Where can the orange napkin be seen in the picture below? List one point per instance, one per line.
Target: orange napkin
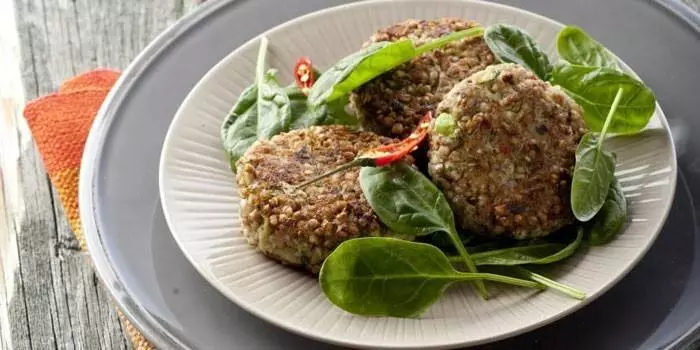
(60, 123)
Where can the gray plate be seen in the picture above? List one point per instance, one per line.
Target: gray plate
(653, 307)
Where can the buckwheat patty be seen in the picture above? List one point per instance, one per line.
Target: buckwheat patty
(506, 170)
(392, 103)
(301, 227)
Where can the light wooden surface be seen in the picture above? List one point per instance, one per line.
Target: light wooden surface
(50, 297)
(694, 4)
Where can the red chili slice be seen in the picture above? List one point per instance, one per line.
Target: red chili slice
(304, 74)
(386, 154)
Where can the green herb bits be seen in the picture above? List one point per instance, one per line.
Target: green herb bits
(445, 124)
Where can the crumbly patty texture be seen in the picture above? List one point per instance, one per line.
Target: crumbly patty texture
(301, 227)
(506, 170)
(393, 103)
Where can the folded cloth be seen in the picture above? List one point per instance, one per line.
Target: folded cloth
(60, 123)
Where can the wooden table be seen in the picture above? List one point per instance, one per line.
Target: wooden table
(50, 297)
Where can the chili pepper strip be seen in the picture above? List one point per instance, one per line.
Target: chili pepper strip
(383, 155)
(389, 154)
(304, 74)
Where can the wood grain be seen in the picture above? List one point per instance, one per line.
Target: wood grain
(55, 299)
(693, 4)
(50, 297)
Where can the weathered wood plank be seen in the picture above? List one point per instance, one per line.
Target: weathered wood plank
(57, 301)
(35, 267)
(694, 4)
(16, 296)
(50, 296)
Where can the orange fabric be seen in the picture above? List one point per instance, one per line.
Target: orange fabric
(97, 79)
(60, 123)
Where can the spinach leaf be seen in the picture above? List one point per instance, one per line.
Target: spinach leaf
(332, 113)
(611, 217)
(527, 254)
(476, 246)
(549, 283)
(536, 254)
(410, 204)
(594, 170)
(360, 67)
(595, 88)
(444, 243)
(576, 47)
(306, 115)
(337, 113)
(513, 45)
(405, 200)
(593, 173)
(380, 276)
(297, 104)
(274, 110)
(568, 251)
(265, 109)
(238, 131)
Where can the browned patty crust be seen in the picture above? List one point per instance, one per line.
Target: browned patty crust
(392, 103)
(301, 227)
(507, 169)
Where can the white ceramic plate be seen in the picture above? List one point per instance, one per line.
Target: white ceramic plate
(201, 202)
